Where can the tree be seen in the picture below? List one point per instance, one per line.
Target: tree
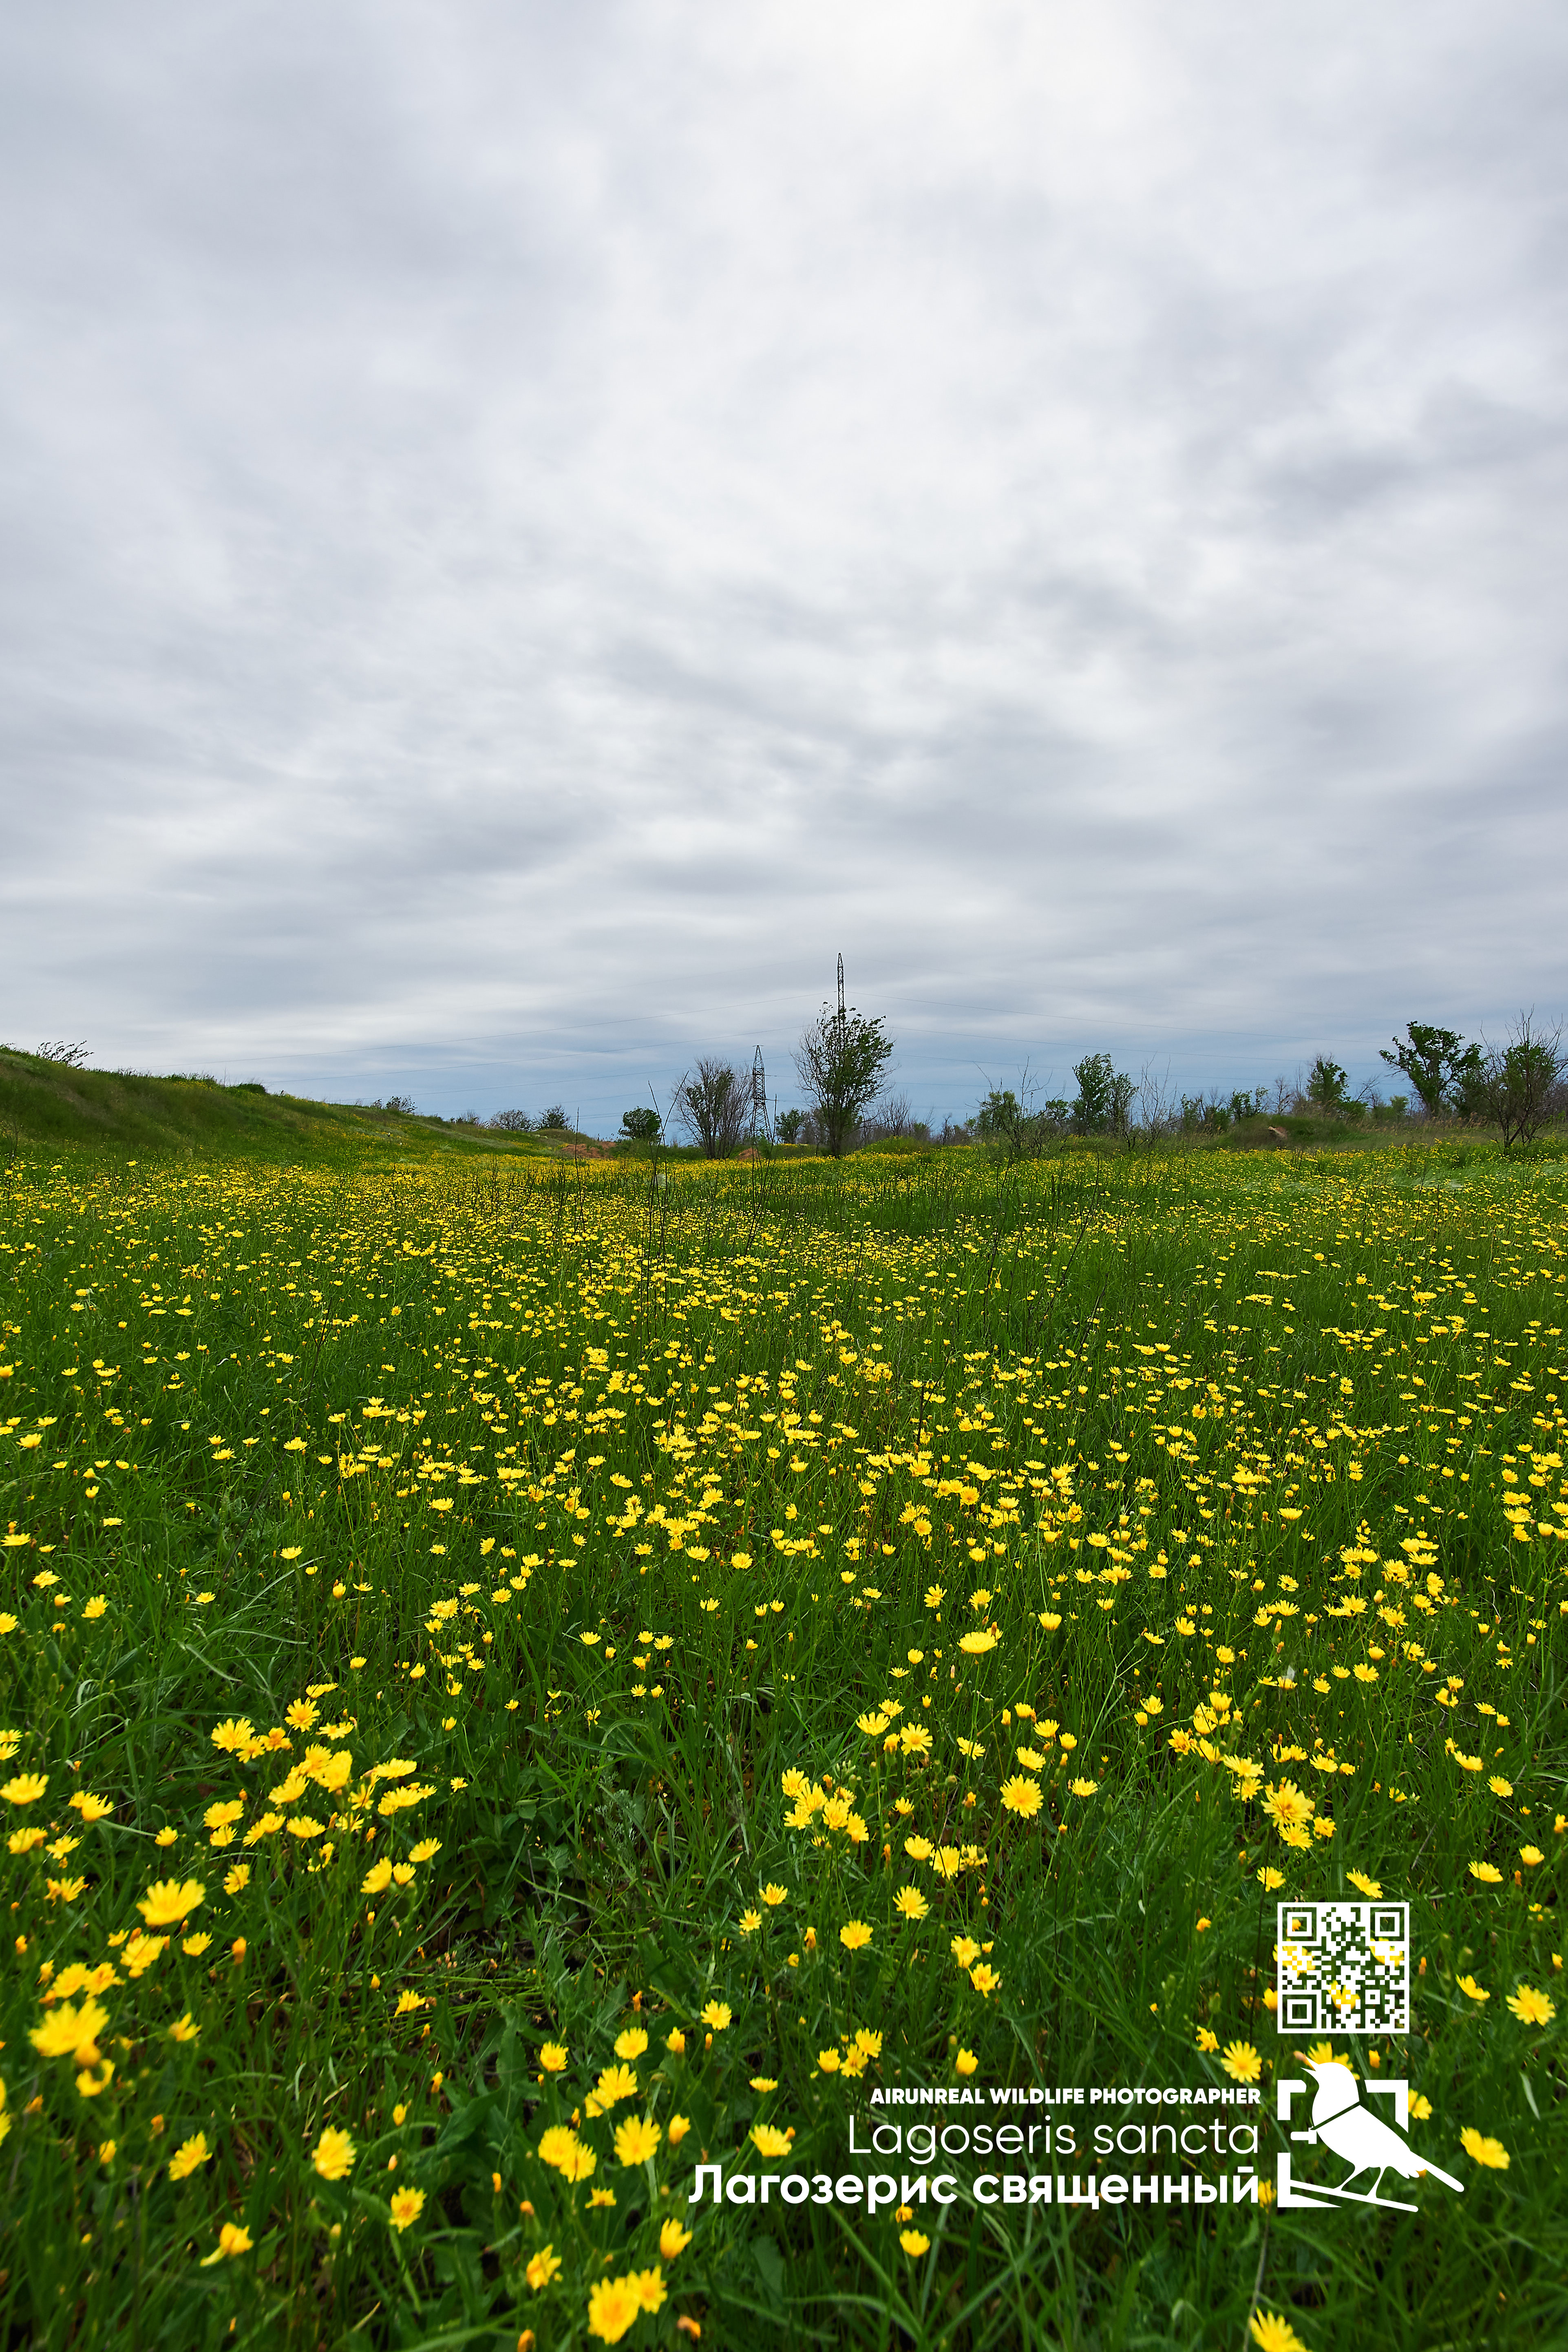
(1439, 1064)
(1014, 1131)
(1326, 1085)
(1104, 1096)
(839, 1062)
(1518, 1081)
(640, 1126)
(788, 1124)
(555, 1119)
(510, 1122)
(714, 1106)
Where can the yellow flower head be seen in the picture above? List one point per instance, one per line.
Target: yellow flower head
(232, 2240)
(718, 2015)
(613, 2305)
(854, 1935)
(1531, 2008)
(1022, 1796)
(189, 2156)
(1271, 2333)
(544, 2267)
(169, 1900)
(335, 2154)
(1288, 1807)
(407, 2204)
(1490, 2152)
(552, 2057)
(636, 2139)
(614, 2084)
(1241, 2062)
(673, 2240)
(71, 2032)
(561, 2149)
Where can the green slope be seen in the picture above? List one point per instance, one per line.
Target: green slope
(47, 1104)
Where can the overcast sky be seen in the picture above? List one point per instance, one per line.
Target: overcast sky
(527, 528)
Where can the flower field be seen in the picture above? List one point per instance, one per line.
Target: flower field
(517, 1687)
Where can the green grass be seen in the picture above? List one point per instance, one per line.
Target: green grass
(603, 1500)
(46, 1105)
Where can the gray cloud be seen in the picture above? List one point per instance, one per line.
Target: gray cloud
(524, 531)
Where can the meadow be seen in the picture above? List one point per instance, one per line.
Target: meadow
(561, 1676)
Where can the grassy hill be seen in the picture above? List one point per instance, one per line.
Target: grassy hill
(47, 1103)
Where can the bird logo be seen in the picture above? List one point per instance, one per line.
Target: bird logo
(1362, 2141)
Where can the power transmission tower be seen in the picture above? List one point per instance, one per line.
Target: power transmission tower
(759, 1098)
(842, 1016)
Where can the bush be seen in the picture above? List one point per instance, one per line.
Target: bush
(1441, 1067)
(1011, 1131)
(713, 1108)
(1326, 1083)
(641, 1125)
(1519, 1082)
(511, 1122)
(1104, 1096)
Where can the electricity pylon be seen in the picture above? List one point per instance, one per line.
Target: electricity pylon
(759, 1098)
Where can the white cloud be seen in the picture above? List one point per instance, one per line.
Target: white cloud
(528, 530)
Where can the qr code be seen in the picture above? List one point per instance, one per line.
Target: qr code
(1343, 1968)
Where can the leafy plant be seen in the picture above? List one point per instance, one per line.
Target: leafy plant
(839, 1061)
(1104, 1096)
(1441, 1067)
(1012, 1131)
(713, 1108)
(1517, 1081)
(1326, 1083)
